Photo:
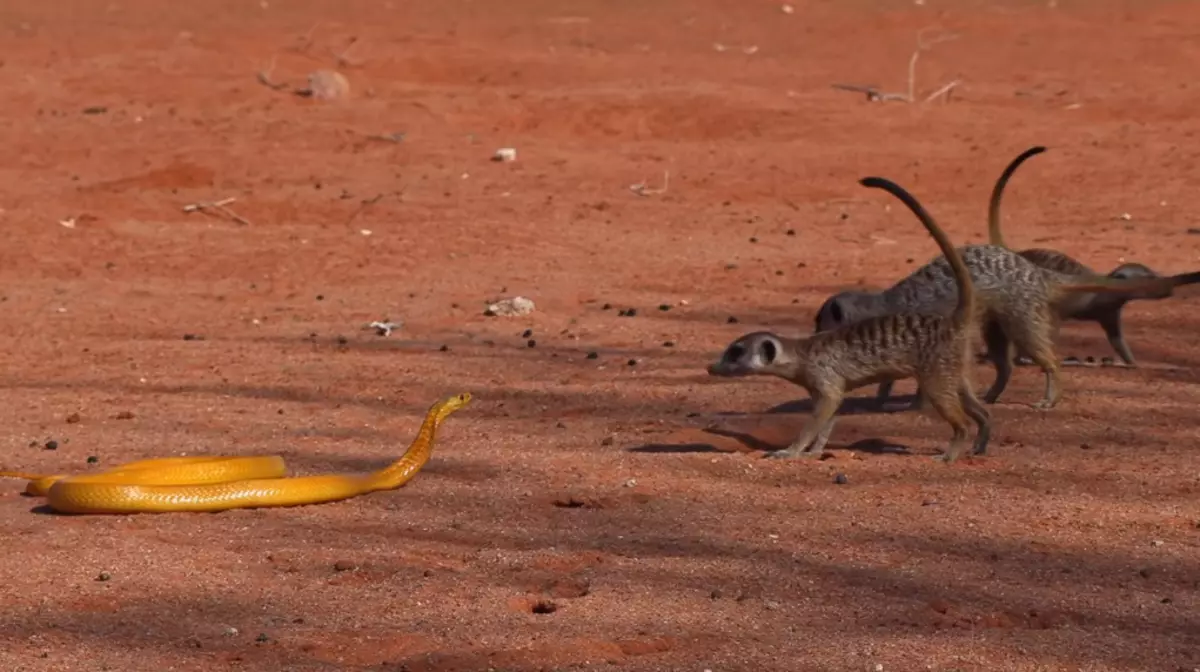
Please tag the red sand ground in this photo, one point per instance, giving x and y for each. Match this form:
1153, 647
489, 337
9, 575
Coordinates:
591, 485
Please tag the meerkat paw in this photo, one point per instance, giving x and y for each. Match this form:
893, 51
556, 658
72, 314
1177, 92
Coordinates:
1044, 405
791, 453
947, 457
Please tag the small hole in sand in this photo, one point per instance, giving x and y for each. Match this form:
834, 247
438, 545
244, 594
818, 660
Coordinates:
544, 607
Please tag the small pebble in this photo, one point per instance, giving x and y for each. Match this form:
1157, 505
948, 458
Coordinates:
607, 441
444, 348
607, 306
320, 297
1085, 446
72, 418
791, 232
531, 343
92, 459
52, 445
527, 333
731, 320
1156, 543
778, 272
753, 239
1107, 361
230, 631
668, 344
192, 337
342, 340
104, 576
123, 415
664, 307
262, 638
593, 355
632, 362
344, 566
840, 479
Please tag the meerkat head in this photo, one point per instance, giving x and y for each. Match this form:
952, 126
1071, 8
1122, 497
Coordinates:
846, 308
1133, 271
758, 353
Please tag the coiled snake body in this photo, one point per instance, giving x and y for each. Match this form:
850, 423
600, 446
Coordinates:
222, 483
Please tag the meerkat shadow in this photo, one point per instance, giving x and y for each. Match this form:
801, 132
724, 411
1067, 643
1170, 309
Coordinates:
873, 446
689, 447
850, 406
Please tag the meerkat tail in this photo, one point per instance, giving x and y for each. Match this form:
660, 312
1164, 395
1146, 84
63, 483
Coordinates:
1185, 279
1105, 285
995, 237
965, 308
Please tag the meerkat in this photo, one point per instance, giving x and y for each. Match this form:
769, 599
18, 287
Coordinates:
930, 347
1016, 303
1102, 308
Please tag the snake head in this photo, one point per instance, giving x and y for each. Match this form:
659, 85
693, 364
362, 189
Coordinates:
451, 404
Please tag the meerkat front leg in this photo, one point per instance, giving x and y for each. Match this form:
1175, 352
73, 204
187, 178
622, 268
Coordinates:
1111, 323
816, 431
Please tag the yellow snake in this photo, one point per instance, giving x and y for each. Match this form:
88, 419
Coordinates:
222, 483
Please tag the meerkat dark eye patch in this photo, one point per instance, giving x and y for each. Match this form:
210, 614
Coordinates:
836, 312
768, 351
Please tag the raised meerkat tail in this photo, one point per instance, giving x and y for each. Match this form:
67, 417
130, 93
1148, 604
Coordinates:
994, 235
965, 308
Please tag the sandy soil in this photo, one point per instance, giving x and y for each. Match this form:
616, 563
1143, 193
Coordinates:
609, 512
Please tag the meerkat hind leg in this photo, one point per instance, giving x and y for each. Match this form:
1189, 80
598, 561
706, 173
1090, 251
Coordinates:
1035, 335
1000, 354
979, 413
825, 406
885, 391
946, 400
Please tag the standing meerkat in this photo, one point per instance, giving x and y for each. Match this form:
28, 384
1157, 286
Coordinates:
1102, 308
1017, 303
934, 349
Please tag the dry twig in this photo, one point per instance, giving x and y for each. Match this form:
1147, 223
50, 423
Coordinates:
367, 203
874, 94
219, 206
641, 189
342, 57
264, 76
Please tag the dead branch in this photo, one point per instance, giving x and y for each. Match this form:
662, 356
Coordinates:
218, 206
